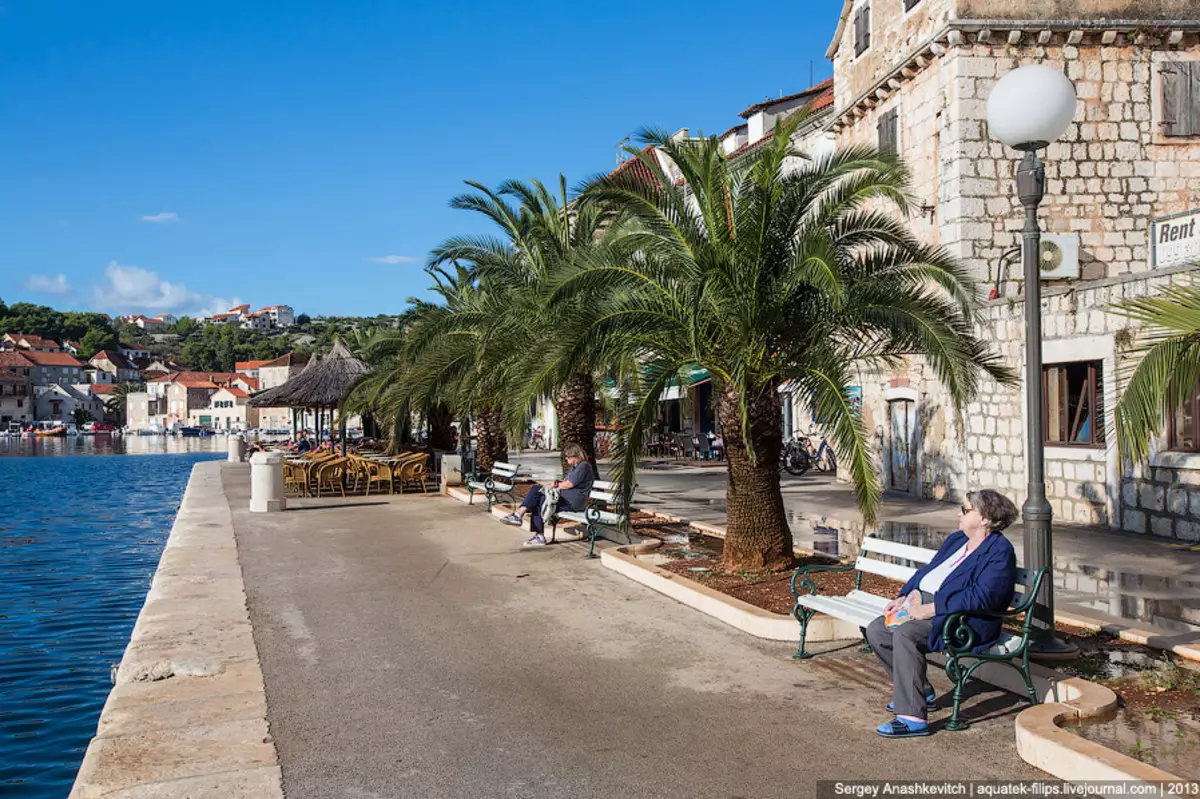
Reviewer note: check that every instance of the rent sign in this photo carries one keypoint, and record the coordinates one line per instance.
(1175, 240)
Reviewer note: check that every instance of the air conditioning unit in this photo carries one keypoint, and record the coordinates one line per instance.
(1058, 258)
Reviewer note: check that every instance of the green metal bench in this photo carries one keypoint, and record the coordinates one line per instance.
(863, 607)
(500, 482)
(605, 510)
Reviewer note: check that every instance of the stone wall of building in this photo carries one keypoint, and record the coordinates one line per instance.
(893, 31)
(1110, 176)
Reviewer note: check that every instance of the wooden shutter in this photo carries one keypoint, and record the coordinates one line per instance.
(858, 31)
(866, 17)
(1181, 98)
(888, 129)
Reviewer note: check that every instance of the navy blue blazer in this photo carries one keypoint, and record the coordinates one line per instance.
(984, 581)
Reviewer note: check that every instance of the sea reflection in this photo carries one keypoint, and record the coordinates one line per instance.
(109, 445)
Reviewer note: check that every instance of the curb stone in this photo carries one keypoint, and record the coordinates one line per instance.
(187, 716)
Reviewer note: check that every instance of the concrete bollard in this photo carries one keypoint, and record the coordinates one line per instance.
(451, 470)
(266, 482)
(237, 448)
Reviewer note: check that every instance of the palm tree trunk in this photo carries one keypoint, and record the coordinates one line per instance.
(576, 407)
(441, 434)
(757, 534)
(492, 444)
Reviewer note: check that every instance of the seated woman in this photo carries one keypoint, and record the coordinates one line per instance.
(573, 494)
(974, 570)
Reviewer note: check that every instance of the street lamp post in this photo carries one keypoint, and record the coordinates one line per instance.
(1028, 109)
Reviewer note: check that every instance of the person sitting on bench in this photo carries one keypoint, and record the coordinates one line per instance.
(974, 570)
(573, 494)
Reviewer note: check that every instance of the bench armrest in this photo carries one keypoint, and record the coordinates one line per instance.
(958, 635)
(805, 583)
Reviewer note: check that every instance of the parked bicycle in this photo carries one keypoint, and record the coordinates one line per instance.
(821, 456)
(538, 439)
(794, 458)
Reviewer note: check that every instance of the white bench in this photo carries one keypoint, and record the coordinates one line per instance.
(605, 509)
(500, 482)
(898, 561)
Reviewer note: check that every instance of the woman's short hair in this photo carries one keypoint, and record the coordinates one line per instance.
(993, 506)
(574, 451)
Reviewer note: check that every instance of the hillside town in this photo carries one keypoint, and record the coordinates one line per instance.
(48, 388)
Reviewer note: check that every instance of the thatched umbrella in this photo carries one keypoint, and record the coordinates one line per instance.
(323, 384)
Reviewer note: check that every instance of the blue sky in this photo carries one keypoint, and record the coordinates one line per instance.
(178, 156)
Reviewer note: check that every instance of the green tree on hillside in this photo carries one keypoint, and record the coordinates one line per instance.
(95, 340)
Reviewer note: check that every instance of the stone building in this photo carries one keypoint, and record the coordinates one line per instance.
(1122, 193)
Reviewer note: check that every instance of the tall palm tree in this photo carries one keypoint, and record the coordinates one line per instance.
(540, 234)
(779, 271)
(1165, 365)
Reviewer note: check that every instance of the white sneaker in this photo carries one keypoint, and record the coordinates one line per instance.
(537, 541)
(513, 519)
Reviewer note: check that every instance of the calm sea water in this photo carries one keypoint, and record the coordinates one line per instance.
(81, 532)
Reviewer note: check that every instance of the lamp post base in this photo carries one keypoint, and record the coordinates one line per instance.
(1051, 647)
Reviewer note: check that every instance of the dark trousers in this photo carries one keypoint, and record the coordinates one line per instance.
(533, 500)
(902, 651)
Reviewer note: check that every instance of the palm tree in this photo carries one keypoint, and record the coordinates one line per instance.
(1165, 367)
(775, 272)
(116, 401)
(541, 234)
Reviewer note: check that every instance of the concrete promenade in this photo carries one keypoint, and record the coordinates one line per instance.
(410, 647)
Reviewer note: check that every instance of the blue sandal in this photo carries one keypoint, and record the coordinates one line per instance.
(902, 728)
(891, 706)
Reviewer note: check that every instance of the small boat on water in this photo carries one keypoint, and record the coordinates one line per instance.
(194, 432)
(51, 432)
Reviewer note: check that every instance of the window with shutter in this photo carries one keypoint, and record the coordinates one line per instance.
(888, 129)
(1181, 98)
(862, 29)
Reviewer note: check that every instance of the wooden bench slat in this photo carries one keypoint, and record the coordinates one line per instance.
(896, 549)
(839, 608)
(892, 570)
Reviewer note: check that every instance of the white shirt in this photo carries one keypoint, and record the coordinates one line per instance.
(933, 580)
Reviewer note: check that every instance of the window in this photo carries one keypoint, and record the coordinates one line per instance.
(1181, 98)
(889, 131)
(1073, 404)
(862, 29)
(1183, 426)
(20, 403)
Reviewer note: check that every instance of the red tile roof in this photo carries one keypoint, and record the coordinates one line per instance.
(152, 374)
(198, 384)
(252, 382)
(734, 129)
(812, 90)
(52, 358)
(13, 358)
(636, 168)
(117, 359)
(103, 388)
(246, 366)
(290, 359)
(193, 377)
(237, 392)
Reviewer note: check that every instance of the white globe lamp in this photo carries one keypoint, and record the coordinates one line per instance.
(1028, 109)
(1031, 107)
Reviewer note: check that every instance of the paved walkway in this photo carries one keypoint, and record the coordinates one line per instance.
(1113, 578)
(410, 647)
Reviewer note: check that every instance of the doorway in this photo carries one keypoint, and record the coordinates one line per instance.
(903, 413)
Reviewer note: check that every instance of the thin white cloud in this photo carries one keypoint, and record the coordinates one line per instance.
(394, 259)
(216, 305)
(163, 218)
(133, 288)
(48, 284)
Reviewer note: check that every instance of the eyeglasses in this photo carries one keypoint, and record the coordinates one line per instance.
(966, 509)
